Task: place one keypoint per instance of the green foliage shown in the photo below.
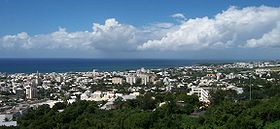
(225, 112)
(85, 114)
(139, 120)
(59, 106)
(243, 115)
(273, 125)
(219, 96)
(189, 122)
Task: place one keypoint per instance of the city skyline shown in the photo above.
(126, 29)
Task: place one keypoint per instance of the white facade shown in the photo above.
(131, 79)
(8, 123)
(59, 79)
(201, 93)
(5, 116)
(31, 92)
(144, 79)
(117, 80)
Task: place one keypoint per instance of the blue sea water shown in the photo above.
(44, 65)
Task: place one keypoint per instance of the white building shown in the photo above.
(237, 89)
(219, 76)
(131, 79)
(144, 79)
(3, 117)
(31, 92)
(230, 76)
(59, 79)
(51, 103)
(8, 123)
(203, 94)
(117, 80)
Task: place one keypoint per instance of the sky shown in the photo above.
(173, 29)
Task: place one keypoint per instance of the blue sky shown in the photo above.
(44, 16)
(27, 25)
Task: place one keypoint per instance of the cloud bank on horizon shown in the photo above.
(234, 28)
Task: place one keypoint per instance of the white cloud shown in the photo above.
(110, 36)
(179, 16)
(163, 25)
(230, 28)
(270, 39)
(11, 41)
(114, 36)
(233, 28)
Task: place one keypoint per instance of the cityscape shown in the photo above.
(22, 91)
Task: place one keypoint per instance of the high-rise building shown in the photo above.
(94, 73)
(131, 79)
(144, 79)
(31, 92)
(38, 80)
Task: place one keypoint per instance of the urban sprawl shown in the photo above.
(21, 91)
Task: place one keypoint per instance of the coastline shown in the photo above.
(47, 65)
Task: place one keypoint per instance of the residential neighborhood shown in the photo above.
(21, 91)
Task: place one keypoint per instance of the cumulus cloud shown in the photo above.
(231, 28)
(110, 36)
(270, 39)
(113, 35)
(19, 40)
(248, 27)
(56, 40)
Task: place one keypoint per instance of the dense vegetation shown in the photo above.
(139, 113)
(130, 114)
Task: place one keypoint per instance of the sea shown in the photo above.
(47, 65)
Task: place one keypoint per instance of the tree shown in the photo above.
(6, 119)
(219, 96)
(273, 125)
(147, 102)
(59, 105)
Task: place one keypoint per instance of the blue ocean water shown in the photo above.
(44, 65)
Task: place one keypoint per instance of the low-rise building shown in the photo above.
(117, 80)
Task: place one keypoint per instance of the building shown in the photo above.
(230, 76)
(131, 79)
(38, 80)
(19, 92)
(219, 76)
(8, 123)
(108, 106)
(94, 73)
(202, 94)
(59, 79)
(144, 79)
(31, 92)
(117, 80)
(4, 117)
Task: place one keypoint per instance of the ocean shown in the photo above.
(44, 65)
